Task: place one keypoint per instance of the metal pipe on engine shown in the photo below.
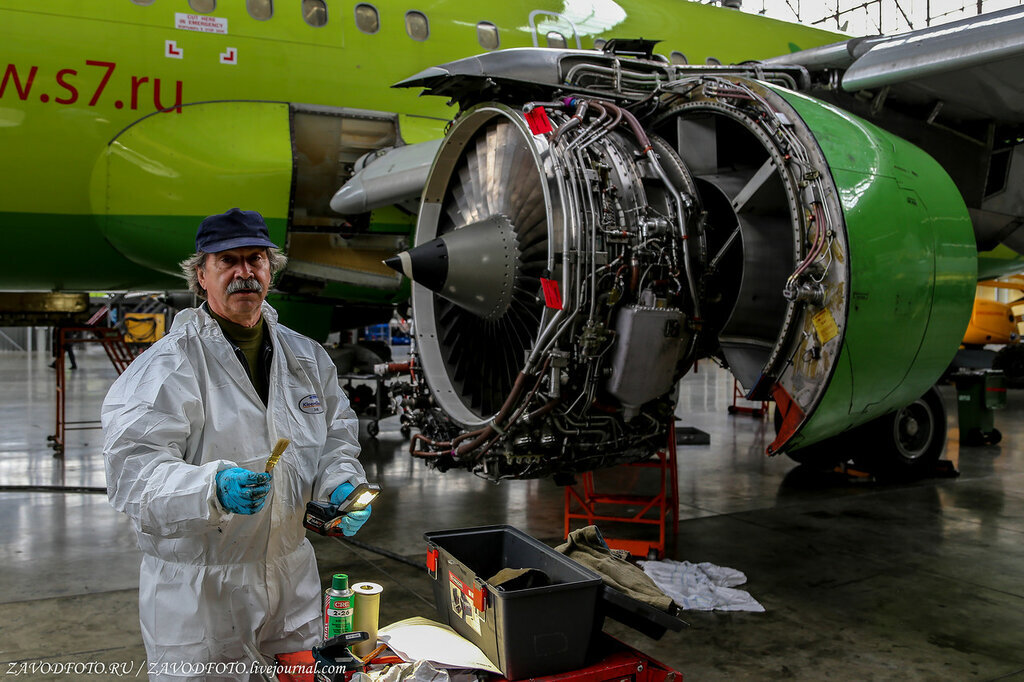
(677, 198)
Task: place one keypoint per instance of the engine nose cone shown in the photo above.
(426, 264)
(474, 266)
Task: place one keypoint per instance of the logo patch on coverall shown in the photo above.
(310, 404)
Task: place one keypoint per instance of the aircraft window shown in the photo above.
(367, 18)
(202, 6)
(416, 25)
(314, 12)
(556, 39)
(678, 57)
(599, 43)
(487, 35)
(260, 9)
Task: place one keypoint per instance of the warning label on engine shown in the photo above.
(825, 325)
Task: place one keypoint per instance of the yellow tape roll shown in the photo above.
(367, 610)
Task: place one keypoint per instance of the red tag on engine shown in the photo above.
(552, 293)
(538, 121)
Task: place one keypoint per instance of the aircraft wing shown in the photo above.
(955, 91)
(969, 70)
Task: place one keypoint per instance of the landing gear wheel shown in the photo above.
(907, 443)
(372, 429)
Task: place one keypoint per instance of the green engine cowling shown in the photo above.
(913, 265)
(875, 319)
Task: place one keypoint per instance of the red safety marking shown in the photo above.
(792, 417)
(996, 389)
(552, 293)
(432, 559)
(538, 121)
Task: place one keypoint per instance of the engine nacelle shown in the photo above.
(565, 279)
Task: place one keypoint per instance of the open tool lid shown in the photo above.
(636, 614)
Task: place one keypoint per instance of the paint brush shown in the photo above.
(275, 455)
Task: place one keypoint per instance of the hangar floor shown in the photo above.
(860, 580)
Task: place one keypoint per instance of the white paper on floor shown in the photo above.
(701, 587)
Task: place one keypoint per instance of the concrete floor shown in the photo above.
(861, 581)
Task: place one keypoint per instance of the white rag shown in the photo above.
(701, 587)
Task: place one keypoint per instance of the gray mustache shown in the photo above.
(250, 284)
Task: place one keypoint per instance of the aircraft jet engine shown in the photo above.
(593, 225)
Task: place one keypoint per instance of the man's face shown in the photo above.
(236, 282)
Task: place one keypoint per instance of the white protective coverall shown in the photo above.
(184, 410)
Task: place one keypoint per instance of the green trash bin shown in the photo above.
(979, 394)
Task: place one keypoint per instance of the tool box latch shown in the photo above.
(432, 558)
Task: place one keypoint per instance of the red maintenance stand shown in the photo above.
(643, 509)
(621, 663)
(120, 355)
(758, 409)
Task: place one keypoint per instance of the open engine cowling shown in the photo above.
(566, 279)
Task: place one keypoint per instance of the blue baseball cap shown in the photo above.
(232, 230)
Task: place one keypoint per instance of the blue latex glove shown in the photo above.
(353, 521)
(242, 491)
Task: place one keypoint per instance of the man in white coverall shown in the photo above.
(188, 429)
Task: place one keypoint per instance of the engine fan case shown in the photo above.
(508, 175)
(912, 265)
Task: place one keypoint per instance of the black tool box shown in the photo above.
(533, 631)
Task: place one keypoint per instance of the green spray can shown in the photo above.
(337, 607)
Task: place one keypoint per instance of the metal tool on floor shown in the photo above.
(325, 518)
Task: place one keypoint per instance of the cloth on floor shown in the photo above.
(701, 587)
(588, 547)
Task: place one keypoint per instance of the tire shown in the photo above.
(977, 437)
(907, 443)
(1010, 359)
(372, 429)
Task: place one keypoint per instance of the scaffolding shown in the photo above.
(874, 17)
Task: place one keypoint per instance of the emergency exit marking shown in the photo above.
(201, 23)
(229, 57)
(172, 50)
